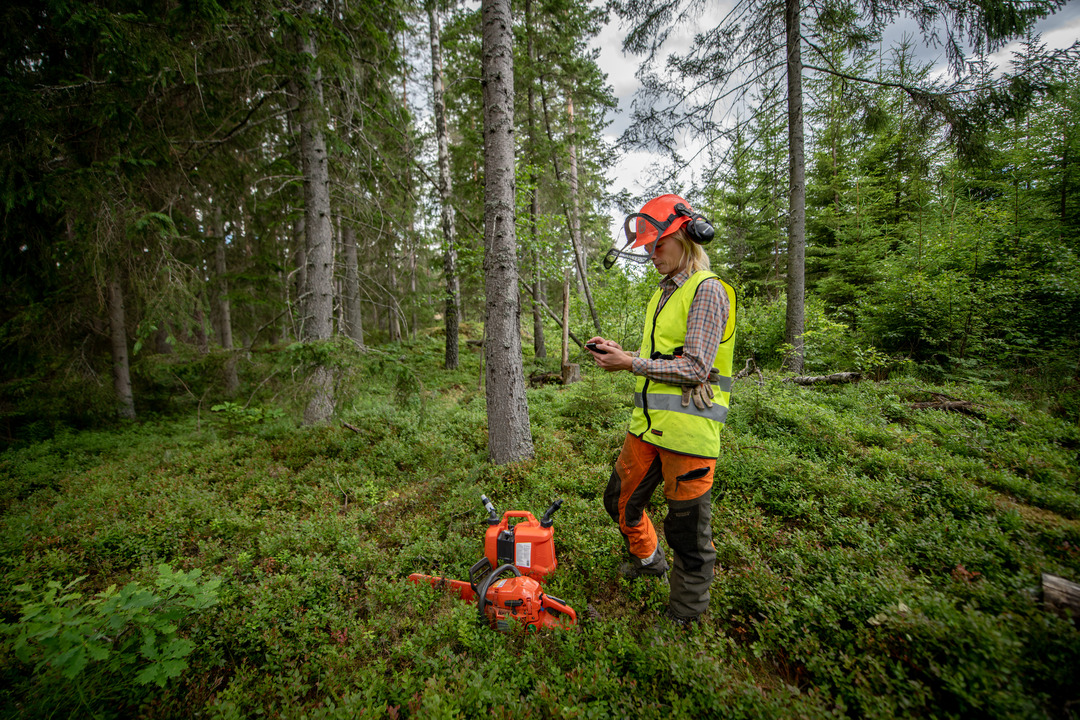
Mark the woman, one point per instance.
(685, 354)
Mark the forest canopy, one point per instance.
(202, 198)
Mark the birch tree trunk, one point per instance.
(125, 399)
(317, 307)
(796, 263)
(509, 438)
(452, 310)
(354, 321)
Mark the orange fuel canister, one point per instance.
(528, 544)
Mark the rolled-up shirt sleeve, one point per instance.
(705, 325)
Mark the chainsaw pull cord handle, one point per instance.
(493, 517)
(548, 520)
(485, 585)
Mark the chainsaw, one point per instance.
(526, 551)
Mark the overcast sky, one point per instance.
(1059, 30)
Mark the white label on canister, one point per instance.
(523, 551)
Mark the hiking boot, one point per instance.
(635, 567)
(669, 617)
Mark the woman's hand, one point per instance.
(610, 355)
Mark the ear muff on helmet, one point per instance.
(699, 229)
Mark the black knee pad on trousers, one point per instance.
(688, 530)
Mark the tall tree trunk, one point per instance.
(509, 438)
(796, 265)
(299, 237)
(125, 399)
(539, 347)
(451, 312)
(199, 327)
(409, 237)
(575, 241)
(393, 307)
(414, 320)
(452, 309)
(575, 201)
(354, 321)
(222, 310)
(318, 305)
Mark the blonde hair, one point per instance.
(694, 256)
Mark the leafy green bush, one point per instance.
(856, 535)
(107, 645)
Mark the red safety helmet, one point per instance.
(659, 218)
(656, 219)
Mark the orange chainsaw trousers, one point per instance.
(687, 482)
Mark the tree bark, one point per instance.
(452, 304)
(125, 399)
(1060, 595)
(199, 327)
(575, 241)
(539, 346)
(318, 304)
(392, 305)
(222, 310)
(299, 236)
(571, 372)
(354, 320)
(575, 201)
(796, 264)
(509, 437)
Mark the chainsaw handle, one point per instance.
(553, 603)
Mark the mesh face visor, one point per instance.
(641, 231)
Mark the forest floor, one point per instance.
(877, 560)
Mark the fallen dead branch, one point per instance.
(834, 379)
(961, 406)
(750, 366)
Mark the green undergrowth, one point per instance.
(877, 560)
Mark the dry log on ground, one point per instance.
(1060, 595)
(834, 379)
(953, 406)
(960, 406)
(539, 379)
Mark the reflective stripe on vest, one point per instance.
(673, 403)
(659, 417)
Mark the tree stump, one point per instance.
(571, 373)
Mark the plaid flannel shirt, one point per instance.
(705, 325)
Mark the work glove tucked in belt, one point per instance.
(702, 394)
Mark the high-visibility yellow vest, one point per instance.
(659, 417)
